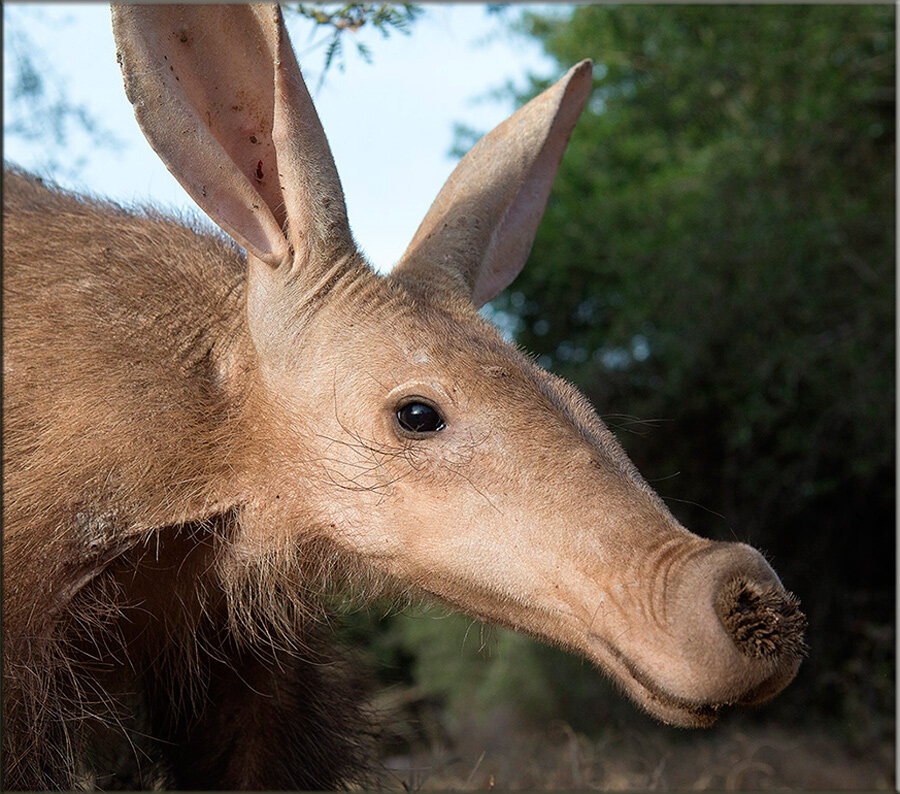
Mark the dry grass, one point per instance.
(730, 757)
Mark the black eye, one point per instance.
(419, 418)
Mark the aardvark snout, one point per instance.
(743, 629)
(763, 619)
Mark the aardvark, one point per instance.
(202, 438)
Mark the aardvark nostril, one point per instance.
(764, 621)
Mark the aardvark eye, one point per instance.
(416, 417)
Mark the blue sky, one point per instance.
(390, 124)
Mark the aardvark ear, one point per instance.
(219, 95)
(479, 230)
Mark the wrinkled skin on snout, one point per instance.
(522, 510)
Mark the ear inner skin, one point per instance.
(219, 95)
(479, 231)
(217, 143)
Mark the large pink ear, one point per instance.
(219, 95)
(480, 228)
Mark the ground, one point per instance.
(734, 755)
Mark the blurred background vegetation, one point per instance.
(716, 271)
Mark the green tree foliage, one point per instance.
(716, 271)
(344, 18)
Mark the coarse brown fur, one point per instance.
(118, 599)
